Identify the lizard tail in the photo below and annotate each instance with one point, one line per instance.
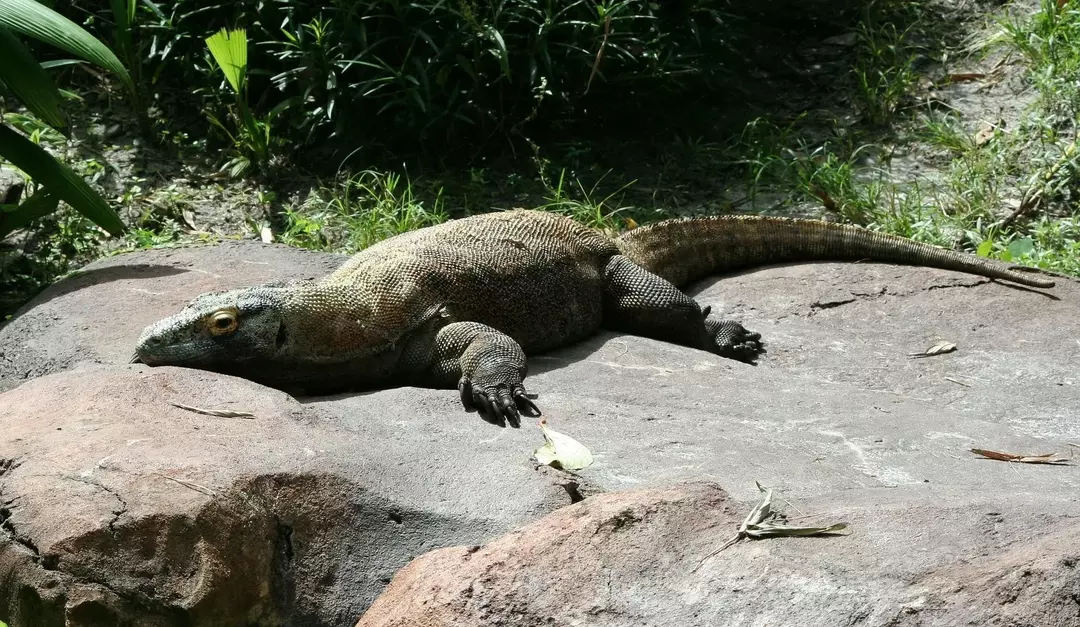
(687, 249)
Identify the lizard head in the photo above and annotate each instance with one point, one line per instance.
(217, 330)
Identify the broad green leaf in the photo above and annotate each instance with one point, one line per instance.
(58, 178)
(31, 85)
(41, 204)
(562, 451)
(229, 49)
(985, 248)
(36, 20)
(1021, 247)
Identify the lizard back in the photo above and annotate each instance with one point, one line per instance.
(535, 276)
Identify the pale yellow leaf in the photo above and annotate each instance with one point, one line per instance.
(562, 451)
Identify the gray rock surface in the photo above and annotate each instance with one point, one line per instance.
(118, 506)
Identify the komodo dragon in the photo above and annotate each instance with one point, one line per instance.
(462, 303)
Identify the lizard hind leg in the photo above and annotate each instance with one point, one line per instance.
(639, 302)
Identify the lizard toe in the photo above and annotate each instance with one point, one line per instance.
(730, 339)
(498, 404)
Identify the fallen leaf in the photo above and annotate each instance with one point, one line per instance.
(1047, 458)
(769, 530)
(220, 413)
(937, 349)
(822, 195)
(758, 525)
(984, 135)
(964, 77)
(561, 451)
(957, 382)
(189, 218)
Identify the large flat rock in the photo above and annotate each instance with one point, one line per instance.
(119, 506)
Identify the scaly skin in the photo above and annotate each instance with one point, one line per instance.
(461, 304)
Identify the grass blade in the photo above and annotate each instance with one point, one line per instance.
(58, 178)
(29, 81)
(36, 20)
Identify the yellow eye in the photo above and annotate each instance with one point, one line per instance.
(222, 322)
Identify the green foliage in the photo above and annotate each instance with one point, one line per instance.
(360, 210)
(27, 79)
(383, 72)
(1050, 42)
(252, 141)
(586, 207)
(885, 67)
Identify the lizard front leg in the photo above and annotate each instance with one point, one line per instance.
(488, 368)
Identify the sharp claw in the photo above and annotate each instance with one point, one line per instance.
(510, 410)
(522, 399)
(496, 408)
(135, 359)
(490, 411)
(465, 388)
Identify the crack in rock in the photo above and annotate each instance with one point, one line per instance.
(25, 542)
(884, 291)
(116, 512)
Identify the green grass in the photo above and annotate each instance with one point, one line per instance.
(1049, 41)
(359, 210)
(981, 171)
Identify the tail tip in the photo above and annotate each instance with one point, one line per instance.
(1023, 275)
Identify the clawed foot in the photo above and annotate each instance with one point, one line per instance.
(497, 403)
(730, 339)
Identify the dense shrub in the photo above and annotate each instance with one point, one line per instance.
(435, 71)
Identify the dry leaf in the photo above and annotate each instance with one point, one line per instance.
(561, 451)
(220, 413)
(964, 77)
(984, 135)
(824, 197)
(189, 218)
(758, 524)
(1047, 458)
(957, 382)
(937, 349)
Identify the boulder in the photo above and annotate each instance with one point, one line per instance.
(661, 556)
(121, 505)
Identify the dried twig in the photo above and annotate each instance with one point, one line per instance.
(220, 413)
(1046, 458)
(189, 484)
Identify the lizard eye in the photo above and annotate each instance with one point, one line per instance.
(223, 322)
